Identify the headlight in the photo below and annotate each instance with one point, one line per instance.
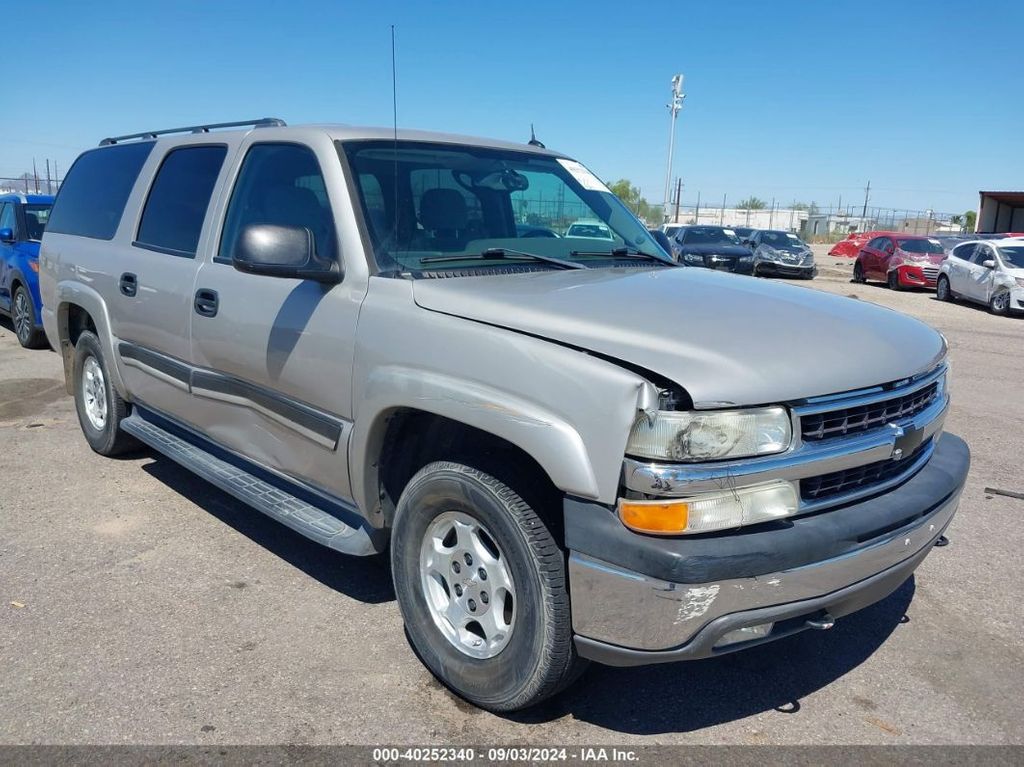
(689, 436)
(706, 512)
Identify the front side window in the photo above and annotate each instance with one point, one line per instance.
(982, 254)
(91, 200)
(425, 204)
(280, 184)
(964, 251)
(173, 217)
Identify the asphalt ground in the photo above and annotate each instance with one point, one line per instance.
(139, 604)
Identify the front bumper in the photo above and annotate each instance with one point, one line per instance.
(640, 599)
(911, 276)
(786, 270)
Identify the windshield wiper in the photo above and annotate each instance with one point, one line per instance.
(623, 253)
(498, 253)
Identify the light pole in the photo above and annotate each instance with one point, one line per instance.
(673, 107)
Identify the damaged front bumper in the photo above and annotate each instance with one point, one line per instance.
(639, 599)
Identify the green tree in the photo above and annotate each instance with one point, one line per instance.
(634, 200)
(799, 206)
(970, 219)
(752, 203)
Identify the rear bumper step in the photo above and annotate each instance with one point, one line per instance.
(301, 516)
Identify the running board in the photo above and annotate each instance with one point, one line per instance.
(303, 517)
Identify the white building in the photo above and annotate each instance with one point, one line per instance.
(779, 218)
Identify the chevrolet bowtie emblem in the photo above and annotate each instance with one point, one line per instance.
(897, 452)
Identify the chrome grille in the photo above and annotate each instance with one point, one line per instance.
(850, 420)
(931, 273)
(860, 477)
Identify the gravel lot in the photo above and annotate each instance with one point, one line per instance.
(140, 605)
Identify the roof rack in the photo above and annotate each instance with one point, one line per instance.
(265, 122)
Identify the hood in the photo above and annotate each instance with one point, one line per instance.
(720, 249)
(29, 247)
(724, 338)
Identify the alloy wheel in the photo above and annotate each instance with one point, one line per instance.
(467, 585)
(94, 393)
(22, 317)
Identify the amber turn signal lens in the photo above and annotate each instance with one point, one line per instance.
(666, 517)
(33, 265)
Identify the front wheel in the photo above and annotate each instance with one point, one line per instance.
(894, 280)
(482, 589)
(999, 304)
(100, 408)
(23, 317)
(942, 291)
(858, 272)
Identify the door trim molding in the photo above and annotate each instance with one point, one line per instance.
(321, 427)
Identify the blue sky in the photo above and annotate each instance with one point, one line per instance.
(791, 100)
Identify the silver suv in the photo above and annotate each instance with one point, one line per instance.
(572, 449)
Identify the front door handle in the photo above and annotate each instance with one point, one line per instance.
(206, 302)
(129, 284)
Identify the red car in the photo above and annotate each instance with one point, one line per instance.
(900, 260)
(851, 246)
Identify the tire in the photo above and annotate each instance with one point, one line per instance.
(893, 280)
(858, 273)
(100, 408)
(23, 317)
(450, 522)
(999, 303)
(942, 290)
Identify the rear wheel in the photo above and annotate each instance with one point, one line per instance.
(482, 589)
(894, 280)
(23, 317)
(942, 291)
(858, 272)
(1000, 302)
(100, 408)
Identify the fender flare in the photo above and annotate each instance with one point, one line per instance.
(553, 442)
(70, 293)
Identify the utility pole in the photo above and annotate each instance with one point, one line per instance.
(696, 214)
(673, 107)
(35, 175)
(721, 219)
(771, 214)
(867, 192)
(679, 194)
(49, 189)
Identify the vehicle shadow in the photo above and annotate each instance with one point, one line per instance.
(367, 579)
(692, 695)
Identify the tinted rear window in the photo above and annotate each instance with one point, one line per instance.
(173, 217)
(92, 198)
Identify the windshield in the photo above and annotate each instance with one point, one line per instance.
(424, 200)
(709, 235)
(36, 216)
(782, 240)
(921, 246)
(1013, 255)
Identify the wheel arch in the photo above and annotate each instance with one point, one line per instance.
(80, 308)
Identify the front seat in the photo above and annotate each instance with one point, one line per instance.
(444, 216)
(34, 229)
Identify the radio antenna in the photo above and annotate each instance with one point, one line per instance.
(394, 123)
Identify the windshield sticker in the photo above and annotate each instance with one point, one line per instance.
(935, 242)
(729, 231)
(584, 177)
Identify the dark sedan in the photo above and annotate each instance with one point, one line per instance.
(714, 247)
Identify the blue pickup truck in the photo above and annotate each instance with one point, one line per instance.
(22, 220)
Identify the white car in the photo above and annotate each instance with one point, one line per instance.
(990, 272)
(590, 230)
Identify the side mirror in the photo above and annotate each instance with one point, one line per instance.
(282, 251)
(890, 249)
(989, 264)
(6, 234)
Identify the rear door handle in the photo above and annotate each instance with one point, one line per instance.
(129, 284)
(206, 302)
